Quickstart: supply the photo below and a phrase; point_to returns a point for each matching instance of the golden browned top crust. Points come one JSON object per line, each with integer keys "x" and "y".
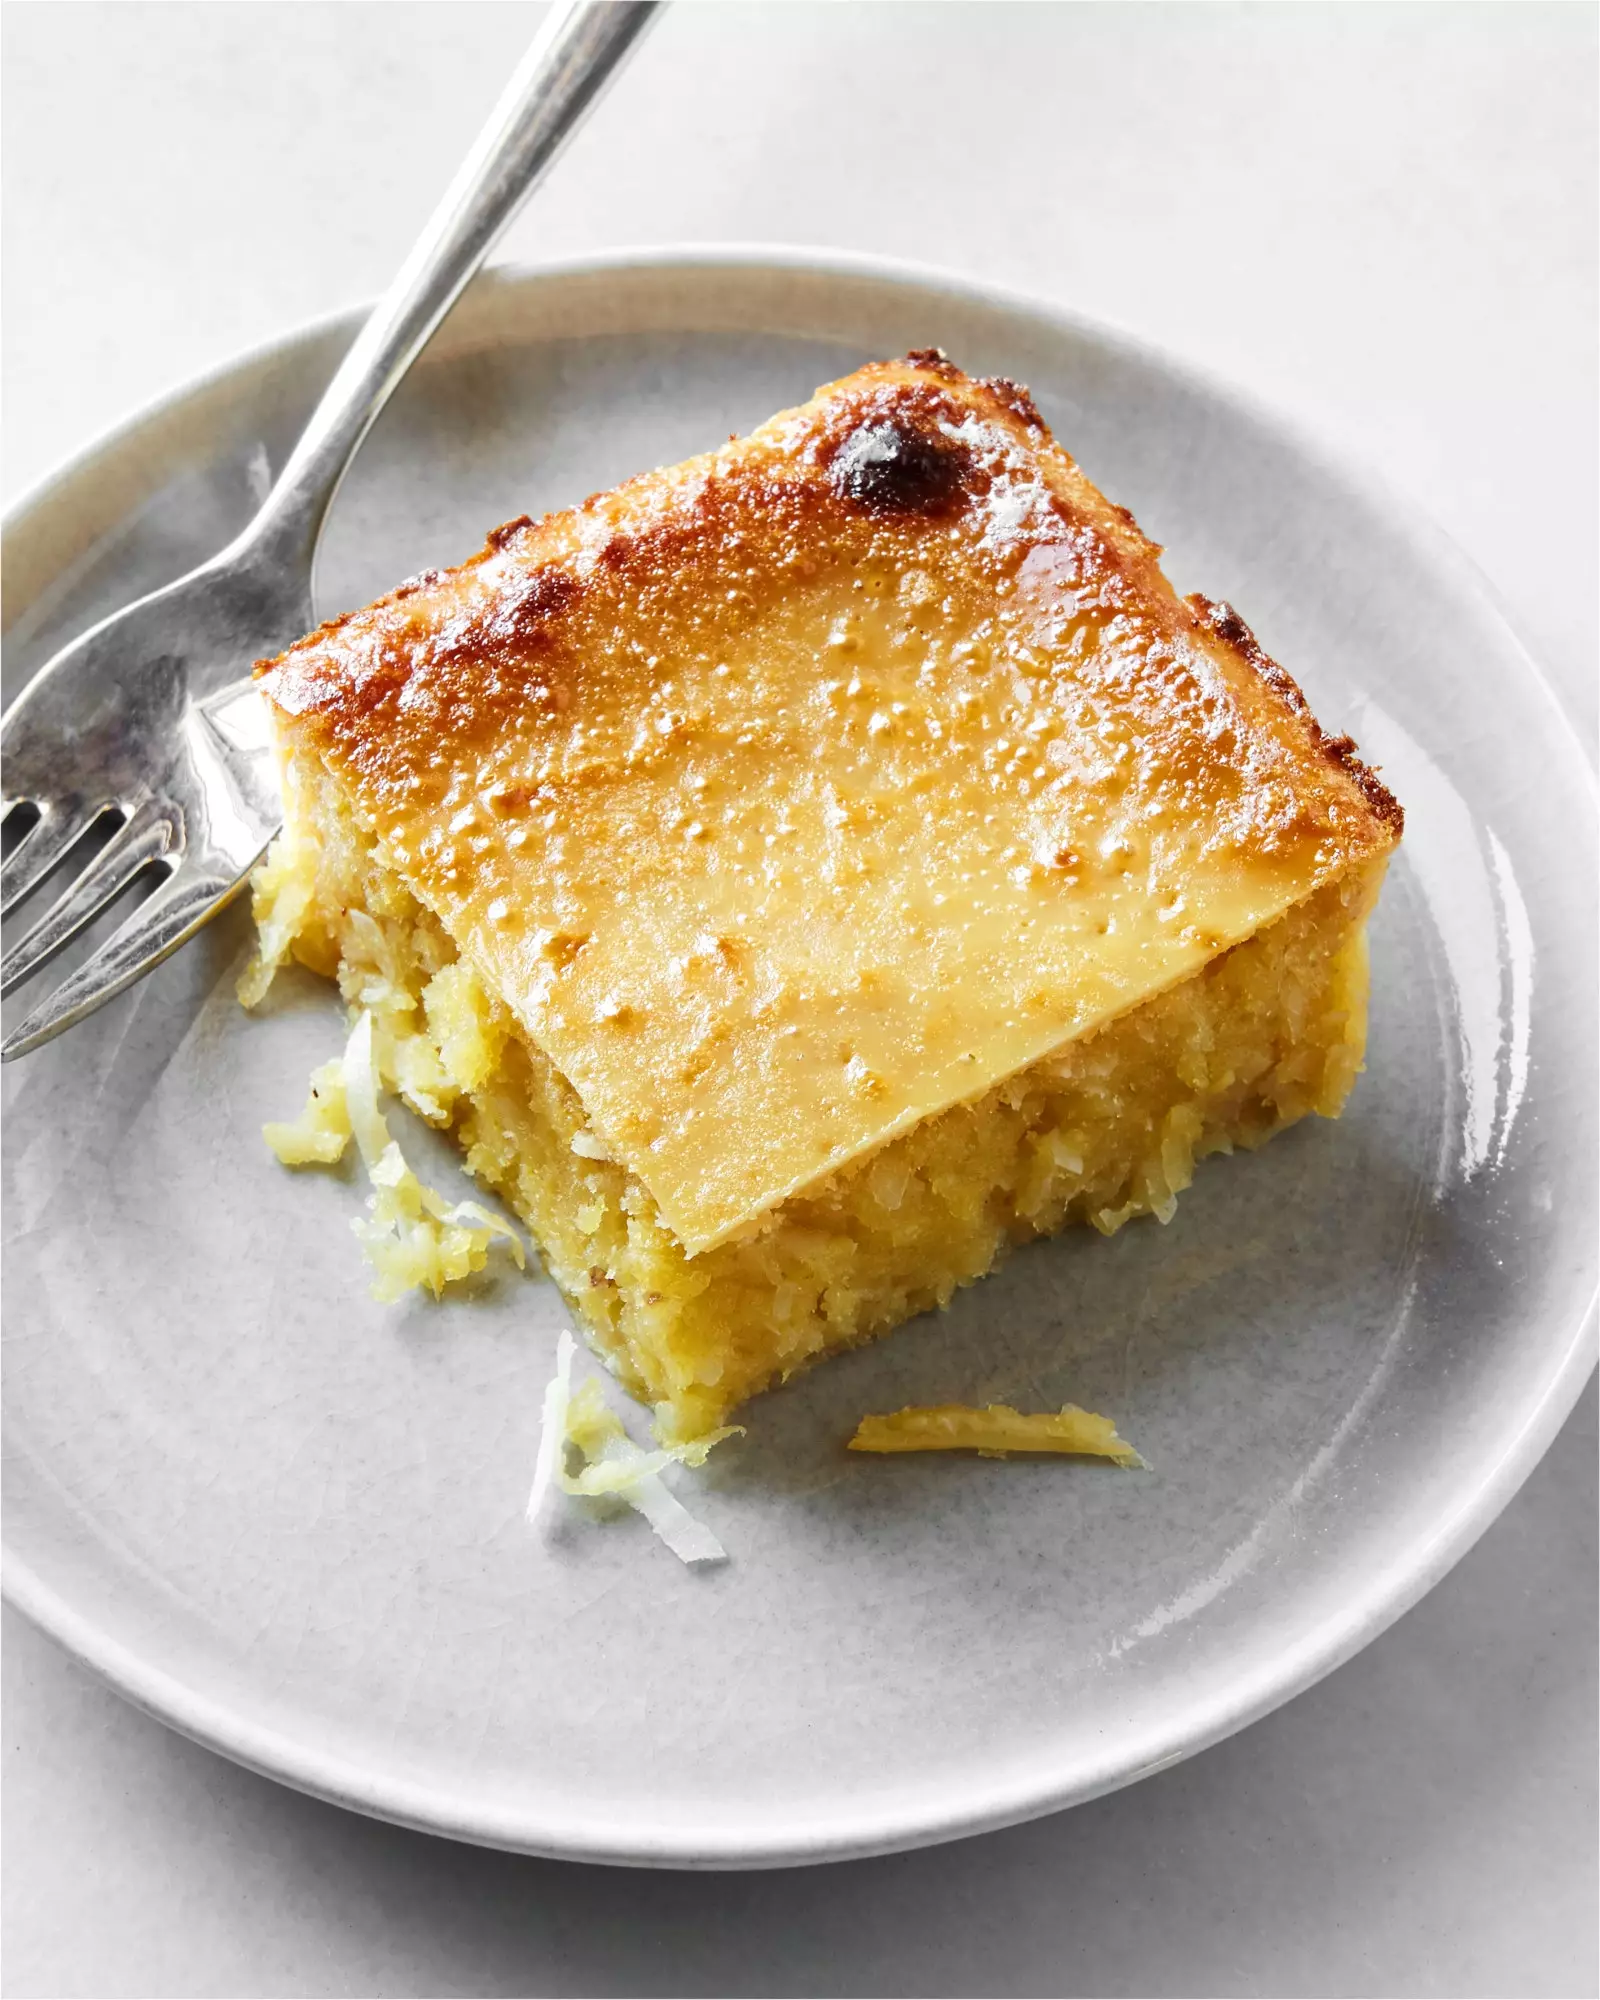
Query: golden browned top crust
{"x": 1224, "y": 623}
{"x": 793, "y": 793}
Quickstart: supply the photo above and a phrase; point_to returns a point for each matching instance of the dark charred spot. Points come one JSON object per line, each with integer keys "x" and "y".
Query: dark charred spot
{"x": 621, "y": 551}
{"x": 508, "y": 531}
{"x": 1229, "y": 627}
{"x": 1013, "y": 397}
{"x": 518, "y": 615}
{"x": 933, "y": 360}
{"x": 891, "y": 467}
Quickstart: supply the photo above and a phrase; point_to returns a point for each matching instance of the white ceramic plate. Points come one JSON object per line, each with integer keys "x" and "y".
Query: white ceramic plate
{"x": 289, "y": 1521}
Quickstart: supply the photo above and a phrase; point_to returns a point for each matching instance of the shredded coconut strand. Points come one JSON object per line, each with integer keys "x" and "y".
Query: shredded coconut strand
{"x": 691, "y": 1541}
{"x": 411, "y": 1235}
{"x": 995, "y": 1431}
{"x": 553, "y": 1418}
{"x": 318, "y": 1137}
{"x": 616, "y": 1468}
{"x": 282, "y": 888}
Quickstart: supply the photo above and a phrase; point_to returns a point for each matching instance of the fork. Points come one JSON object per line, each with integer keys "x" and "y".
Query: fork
{"x": 148, "y": 718}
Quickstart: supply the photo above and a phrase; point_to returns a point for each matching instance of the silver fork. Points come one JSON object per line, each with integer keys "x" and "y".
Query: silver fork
{"x": 146, "y": 714}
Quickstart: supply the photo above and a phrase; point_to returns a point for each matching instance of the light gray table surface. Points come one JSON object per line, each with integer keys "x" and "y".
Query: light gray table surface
{"x": 1383, "y": 217}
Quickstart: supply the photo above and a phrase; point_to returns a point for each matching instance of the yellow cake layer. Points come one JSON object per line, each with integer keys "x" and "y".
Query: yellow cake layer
{"x": 1103, "y": 1130}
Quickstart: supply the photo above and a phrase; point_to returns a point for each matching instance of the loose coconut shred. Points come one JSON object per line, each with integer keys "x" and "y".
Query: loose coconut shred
{"x": 615, "y": 1468}
{"x": 411, "y": 1235}
{"x": 995, "y": 1432}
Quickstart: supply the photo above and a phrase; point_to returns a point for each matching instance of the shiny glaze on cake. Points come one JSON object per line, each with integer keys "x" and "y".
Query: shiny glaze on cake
{"x": 797, "y": 792}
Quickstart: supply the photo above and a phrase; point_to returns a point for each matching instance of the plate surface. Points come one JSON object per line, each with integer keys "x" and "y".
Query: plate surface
{"x": 289, "y": 1521}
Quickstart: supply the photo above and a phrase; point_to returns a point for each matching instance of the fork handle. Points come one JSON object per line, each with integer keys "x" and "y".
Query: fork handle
{"x": 577, "y": 51}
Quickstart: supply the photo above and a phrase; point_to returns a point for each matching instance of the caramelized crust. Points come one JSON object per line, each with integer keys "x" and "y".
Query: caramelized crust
{"x": 793, "y": 794}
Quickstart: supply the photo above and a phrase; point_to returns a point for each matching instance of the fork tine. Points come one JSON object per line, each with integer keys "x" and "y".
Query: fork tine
{"x": 162, "y": 922}
{"x": 41, "y": 847}
{"x": 145, "y": 838}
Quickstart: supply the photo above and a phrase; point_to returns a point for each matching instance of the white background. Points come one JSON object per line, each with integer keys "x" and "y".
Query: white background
{"x": 1385, "y": 218}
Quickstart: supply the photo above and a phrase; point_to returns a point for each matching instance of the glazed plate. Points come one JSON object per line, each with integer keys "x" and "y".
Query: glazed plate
{"x": 289, "y": 1520}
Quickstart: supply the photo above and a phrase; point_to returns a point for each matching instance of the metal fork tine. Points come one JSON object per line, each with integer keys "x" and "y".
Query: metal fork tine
{"x": 156, "y": 929}
{"x": 144, "y": 838}
{"x": 41, "y": 847}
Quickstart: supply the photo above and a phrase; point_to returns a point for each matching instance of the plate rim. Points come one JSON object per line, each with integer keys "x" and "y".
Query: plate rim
{"x": 845, "y": 1832}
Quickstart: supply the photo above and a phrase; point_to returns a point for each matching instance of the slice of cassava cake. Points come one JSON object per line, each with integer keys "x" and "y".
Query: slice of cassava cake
{"x": 799, "y": 873}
